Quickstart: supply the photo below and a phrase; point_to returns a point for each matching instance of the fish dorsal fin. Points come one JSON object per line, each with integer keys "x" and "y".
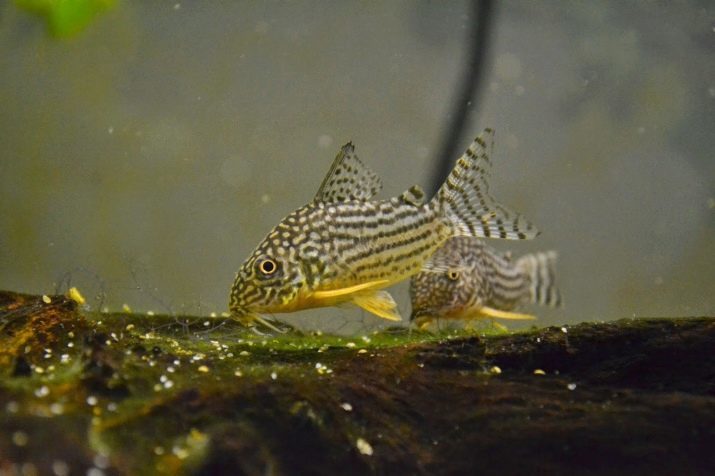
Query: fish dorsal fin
{"x": 413, "y": 196}
{"x": 348, "y": 179}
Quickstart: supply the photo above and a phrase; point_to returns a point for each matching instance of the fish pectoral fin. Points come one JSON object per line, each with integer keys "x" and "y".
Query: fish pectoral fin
{"x": 498, "y": 314}
{"x": 320, "y": 295}
{"x": 379, "y": 303}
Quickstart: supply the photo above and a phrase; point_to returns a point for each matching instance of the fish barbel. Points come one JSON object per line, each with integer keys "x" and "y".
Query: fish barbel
{"x": 344, "y": 247}
{"x": 466, "y": 279}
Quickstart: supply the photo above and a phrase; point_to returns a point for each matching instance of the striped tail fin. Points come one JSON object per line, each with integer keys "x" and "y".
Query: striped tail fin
{"x": 465, "y": 201}
{"x": 539, "y": 267}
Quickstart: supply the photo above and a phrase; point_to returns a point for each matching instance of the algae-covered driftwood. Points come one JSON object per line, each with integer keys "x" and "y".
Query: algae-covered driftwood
{"x": 137, "y": 394}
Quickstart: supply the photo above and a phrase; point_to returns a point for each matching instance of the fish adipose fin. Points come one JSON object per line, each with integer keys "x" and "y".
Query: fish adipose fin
{"x": 379, "y": 303}
{"x": 348, "y": 179}
{"x": 413, "y": 196}
{"x": 464, "y": 198}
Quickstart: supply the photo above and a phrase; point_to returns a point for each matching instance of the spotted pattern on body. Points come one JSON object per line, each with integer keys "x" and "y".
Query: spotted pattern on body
{"x": 345, "y": 247}
{"x": 466, "y": 279}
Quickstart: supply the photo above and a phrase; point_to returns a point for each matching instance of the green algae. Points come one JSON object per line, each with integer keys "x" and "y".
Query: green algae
{"x": 148, "y": 394}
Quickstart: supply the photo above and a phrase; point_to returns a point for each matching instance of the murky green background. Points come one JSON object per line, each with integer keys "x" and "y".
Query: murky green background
{"x": 144, "y": 158}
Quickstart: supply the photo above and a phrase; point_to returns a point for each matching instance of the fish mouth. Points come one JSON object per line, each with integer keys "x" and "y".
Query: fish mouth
{"x": 422, "y": 317}
{"x": 417, "y": 313}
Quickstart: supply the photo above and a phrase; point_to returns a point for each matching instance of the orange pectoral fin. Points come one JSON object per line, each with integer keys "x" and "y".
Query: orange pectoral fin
{"x": 332, "y": 293}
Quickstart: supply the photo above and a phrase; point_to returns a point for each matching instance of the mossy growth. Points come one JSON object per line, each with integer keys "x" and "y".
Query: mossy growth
{"x": 157, "y": 394}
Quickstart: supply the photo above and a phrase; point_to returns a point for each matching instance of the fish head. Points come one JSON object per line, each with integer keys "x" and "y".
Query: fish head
{"x": 272, "y": 279}
{"x": 441, "y": 292}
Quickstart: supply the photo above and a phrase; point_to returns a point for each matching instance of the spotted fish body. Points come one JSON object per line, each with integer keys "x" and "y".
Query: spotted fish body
{"x": 466, "y": 279}
{"x": 344, "y": 247}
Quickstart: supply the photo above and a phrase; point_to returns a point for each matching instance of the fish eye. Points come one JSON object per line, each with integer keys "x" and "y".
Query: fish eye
{"x": 453, "y": 274}
{"x": 267, "y": 266}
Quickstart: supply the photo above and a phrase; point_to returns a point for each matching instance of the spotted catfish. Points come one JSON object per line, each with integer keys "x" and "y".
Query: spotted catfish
{"x": 466, "y": 279}
{"x": 344, "y": 247}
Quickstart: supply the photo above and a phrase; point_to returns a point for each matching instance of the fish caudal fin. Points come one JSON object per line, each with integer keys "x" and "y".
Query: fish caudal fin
{"x": 379, "y": 303}
{"x": 540, "y": 269}
{"x": 465, "y": 201}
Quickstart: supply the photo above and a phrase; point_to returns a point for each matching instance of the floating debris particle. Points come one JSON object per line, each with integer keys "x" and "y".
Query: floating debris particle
{"x": 203, "y": 368}
{"x": 362, "y": 351}
{"x": 274, "y": 375}
{"x": 126, "y": 308}
{"x": 539, "y": 372}
{"x": 564, "y": 330}
{"x": 57, "y": 408}
{"x": 238, "y": 373}
{"x": 179, "y": 452}
{"x": 12, "y": 406}
{"x": 46, "y": 299}
{"x": 244, "y": 353}
{"x": 91, "y": 400}
{"x": 76, "y": 296}
{"x": 95, "y": 472}
{"x": 325, "y": 141}
{"x": 350, "y": 345}
{"x": 159, "y": 450}
{"x": 363, "y": 447}
{"x": 150, "y": 313}
{"x": 129, "y": 327}
{"x": 60, "y": 468}
{"x": 42, "y": 391}
{"x": 346, "y": 406}
{"x": 495, "y": 370}
{"x": 571, "y": 386}
{"x": 322, "y": 369}
{"x": 101, "y": 461}
{"x": 20, "y": 438}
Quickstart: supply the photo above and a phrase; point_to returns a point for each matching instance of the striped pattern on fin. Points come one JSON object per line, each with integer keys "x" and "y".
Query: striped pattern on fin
{"x": 540, "y": 269}
{"x": 466, "y": 201}
{"x": 413, "y": 196}
{"x": 348, "y": 179}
